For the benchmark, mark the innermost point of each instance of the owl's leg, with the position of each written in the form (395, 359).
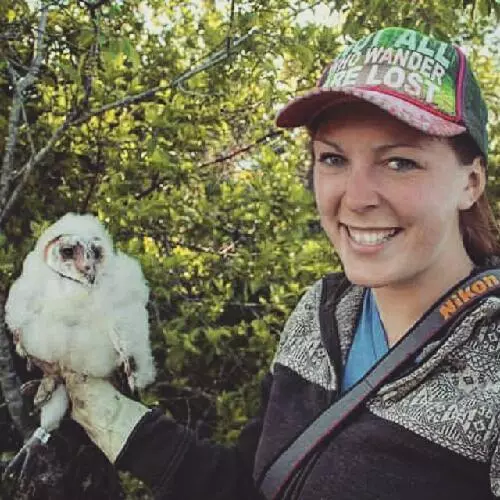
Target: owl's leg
(54, 403)
(30, 388)
(20, 465)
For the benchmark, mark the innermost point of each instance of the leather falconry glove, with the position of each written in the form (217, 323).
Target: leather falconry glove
(107, 416)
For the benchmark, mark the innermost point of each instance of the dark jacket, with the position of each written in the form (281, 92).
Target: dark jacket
(429, 433)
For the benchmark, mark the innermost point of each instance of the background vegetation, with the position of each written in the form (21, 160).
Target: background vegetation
(157, 115)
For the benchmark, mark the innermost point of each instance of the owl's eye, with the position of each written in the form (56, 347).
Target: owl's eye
(67, 252)
(97, 251)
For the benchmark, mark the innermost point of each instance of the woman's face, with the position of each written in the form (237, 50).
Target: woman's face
(389, 196)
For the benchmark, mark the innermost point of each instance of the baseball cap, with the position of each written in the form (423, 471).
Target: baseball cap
(422, 81)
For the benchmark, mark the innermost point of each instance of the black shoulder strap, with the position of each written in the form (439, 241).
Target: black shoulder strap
(440, 316)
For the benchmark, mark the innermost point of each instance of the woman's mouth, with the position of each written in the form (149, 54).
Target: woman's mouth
(371, 236)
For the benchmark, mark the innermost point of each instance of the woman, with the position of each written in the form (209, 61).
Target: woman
(398, 131)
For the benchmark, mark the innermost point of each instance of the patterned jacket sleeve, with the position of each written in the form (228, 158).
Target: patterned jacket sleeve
(495, 467)
(488, 335)
(301, 348)
(493, 334)
(174, 463)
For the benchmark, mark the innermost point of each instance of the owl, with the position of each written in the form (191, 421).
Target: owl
(79, 305)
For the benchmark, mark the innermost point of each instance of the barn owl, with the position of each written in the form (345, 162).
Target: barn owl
(79, 305)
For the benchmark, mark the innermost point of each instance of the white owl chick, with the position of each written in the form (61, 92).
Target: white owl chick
(80, 305)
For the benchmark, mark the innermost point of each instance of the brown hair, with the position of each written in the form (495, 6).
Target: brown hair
(480, 232)
(477, 224)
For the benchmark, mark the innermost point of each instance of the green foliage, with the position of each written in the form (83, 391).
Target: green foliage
(193, 180)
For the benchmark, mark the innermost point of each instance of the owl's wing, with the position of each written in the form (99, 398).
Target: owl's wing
(24, 301)
(130, 332)
(129, 281)
(17, 315)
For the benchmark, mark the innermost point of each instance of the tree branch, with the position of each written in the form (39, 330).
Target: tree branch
(230, 27)
(9, 382)
(220, 159)
(28, 130)
(213, 60)
(244, 149)
(77, 117)
(30, 165)
(20, 85)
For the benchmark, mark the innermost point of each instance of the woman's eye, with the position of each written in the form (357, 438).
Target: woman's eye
(331, 159)
(401, 164)
(67, 252)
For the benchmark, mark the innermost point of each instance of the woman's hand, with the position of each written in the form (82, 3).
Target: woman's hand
(107, 416)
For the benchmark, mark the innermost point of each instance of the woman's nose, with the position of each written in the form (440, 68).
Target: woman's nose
(361, 190)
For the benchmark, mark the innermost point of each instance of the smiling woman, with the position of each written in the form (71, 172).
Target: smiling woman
(477, 224)
(390, 206)
(399, 146)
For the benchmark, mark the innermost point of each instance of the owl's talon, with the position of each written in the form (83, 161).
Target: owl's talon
(27, 470)
(20, 466)
(131, 382)
(30, 388)
(45, 390)
(129, 367)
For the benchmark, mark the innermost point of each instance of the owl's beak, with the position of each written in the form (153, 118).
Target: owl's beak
(89, 273)
(85, 263)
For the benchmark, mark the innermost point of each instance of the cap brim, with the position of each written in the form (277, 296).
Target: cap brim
(304, 109)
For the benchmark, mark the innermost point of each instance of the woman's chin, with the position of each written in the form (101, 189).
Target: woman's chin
(372, 278)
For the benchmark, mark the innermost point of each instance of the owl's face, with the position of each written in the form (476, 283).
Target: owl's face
(76, 258)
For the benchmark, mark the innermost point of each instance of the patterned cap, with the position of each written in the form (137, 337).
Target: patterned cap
(422, 81)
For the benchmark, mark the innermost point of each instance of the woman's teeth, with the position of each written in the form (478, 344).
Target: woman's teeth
(371, 237)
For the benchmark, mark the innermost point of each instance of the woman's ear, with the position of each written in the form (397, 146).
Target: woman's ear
(475, 185)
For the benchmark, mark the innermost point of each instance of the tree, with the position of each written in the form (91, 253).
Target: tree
(158, 117)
